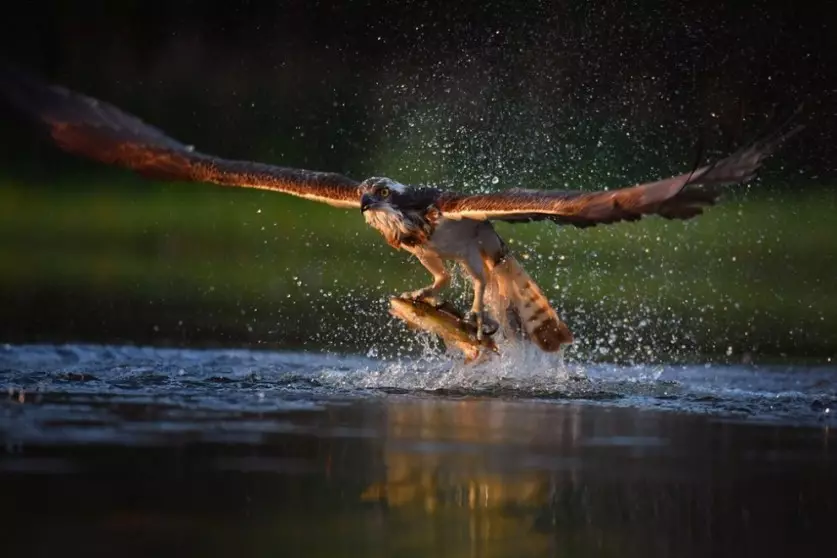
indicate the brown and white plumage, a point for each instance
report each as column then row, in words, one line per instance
column 90, row 128
column 432, row 224
column 678, row 197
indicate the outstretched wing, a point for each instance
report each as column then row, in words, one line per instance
column 96, row 130
column 679, row 197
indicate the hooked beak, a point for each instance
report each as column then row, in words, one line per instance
column 366, row 202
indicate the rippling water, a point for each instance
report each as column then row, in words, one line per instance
column 146, row 451
column 186, row 390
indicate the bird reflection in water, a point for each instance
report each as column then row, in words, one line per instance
column 474, row 468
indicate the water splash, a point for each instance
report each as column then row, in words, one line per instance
column 517, row 367
column 241, row 381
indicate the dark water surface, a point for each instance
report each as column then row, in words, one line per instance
column 151, row 452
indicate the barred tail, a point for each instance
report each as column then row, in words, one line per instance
column 522, row 308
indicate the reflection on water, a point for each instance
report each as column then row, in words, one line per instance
column 475, row 473
column 414, row 475
column 440, row 456
column 513, row 479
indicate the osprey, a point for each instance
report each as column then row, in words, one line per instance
column 432, row 224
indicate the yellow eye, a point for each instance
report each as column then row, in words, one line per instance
column 383, row 192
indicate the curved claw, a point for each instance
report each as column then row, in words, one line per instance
column 421, row 294
column 485, row 325
column 489, row 326
column 427, row 295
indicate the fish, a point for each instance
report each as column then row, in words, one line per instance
column 447, row 322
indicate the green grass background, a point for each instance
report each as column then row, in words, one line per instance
column 129, row 260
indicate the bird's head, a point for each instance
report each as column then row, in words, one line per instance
column 381, row 194
column 378, row 193
column 401, row 213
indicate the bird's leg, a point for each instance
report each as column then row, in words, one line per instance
column 477, row 315
column 436, row 266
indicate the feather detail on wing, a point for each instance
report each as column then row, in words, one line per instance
column 90, row 128
column 679, row 197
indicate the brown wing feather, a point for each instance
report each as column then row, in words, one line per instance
column 679, row 197
column 96, row 130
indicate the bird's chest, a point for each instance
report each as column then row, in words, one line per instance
column 454, row 238
column 401, row 229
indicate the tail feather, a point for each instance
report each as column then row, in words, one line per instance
column 522, row 308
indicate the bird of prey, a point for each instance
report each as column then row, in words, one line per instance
column 432, row 224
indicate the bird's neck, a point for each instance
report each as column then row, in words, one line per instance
column 401, row 228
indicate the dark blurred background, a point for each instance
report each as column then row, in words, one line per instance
column 473, row 96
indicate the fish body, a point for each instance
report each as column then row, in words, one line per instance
column 446, row 322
